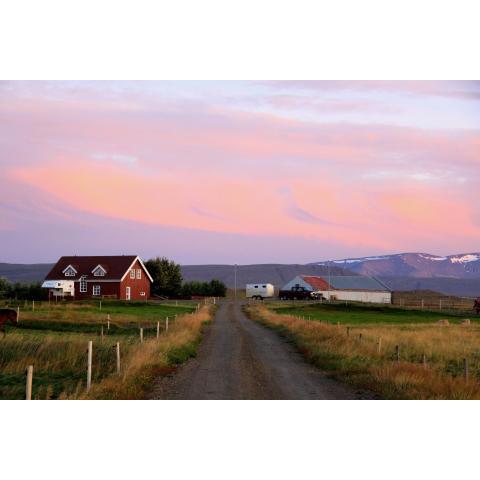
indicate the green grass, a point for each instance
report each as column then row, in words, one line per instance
column 355, row 314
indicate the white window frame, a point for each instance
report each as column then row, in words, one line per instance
column 83, row 284
column 139, row 273
column 99, row 271
column 132, row 273
column 96, row 290
column 70, row 271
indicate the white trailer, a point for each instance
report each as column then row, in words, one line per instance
column 260, row 291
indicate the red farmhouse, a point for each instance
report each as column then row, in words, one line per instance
column 122, row 277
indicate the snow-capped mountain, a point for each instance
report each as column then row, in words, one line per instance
column 465, row 265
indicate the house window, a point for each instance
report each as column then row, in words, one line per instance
column 139, row 274
column 99, row 271
column 96, row 290
column 69, row 271
column 83, row 284
column 132, row 273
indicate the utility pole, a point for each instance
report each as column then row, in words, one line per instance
column 328, row 280
column 235, row 277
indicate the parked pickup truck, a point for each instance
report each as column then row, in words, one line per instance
column 299, row 293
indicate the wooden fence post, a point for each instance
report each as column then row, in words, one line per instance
column 100, row 304
column 118, row 358
column 360, row 337
column 108, row 321
column 33, row 305
column 166, row 324
column 465, row 369
column 158, row 329
column 397, row 352
column 348, row 331
column 141, row 334
column 28, row 386
column 424, row 361
column 379, row 345
column 89, row 365
column 101, row 332
column 18, row 314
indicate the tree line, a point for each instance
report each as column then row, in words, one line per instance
column 168, row 281
column 22, row 291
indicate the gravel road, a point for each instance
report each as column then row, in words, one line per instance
column 241, row 359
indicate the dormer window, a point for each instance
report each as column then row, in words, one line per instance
column 99, row 271
column 69, row 271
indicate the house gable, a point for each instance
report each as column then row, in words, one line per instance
column 69, row 271
column 129, row 270
column 99, row 271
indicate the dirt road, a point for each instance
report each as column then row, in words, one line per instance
column 241, row 359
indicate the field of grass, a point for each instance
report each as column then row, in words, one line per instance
column 54, row 340
column 354, row 313
column 361, row 348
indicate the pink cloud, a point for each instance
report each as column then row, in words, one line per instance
column 210, row 169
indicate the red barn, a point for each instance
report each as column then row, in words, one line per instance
column 123, row 277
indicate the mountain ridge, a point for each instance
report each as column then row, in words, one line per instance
column 412, row 264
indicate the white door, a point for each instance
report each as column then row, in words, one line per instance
column 128, row 293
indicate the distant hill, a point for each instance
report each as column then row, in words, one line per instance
column 460, row 287
column 421, row 265
column 25, row 273
column 277, row 274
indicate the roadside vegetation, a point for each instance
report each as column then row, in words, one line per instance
column 358, row 345
column 54, row 340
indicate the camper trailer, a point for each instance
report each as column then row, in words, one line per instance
column 260, row 291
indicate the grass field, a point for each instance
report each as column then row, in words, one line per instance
column 361, row 348
column 355, row 314
column 54, row 340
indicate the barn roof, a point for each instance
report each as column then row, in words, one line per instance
column 115, row 266
column 317, row 283
column 357, row 282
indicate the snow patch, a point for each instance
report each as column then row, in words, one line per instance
column 435, row 259
column 465, row 258
column 356, row 260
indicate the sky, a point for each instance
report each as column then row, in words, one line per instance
column 238, row 172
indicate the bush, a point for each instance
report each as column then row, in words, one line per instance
column 22, row 291
column 214, row 288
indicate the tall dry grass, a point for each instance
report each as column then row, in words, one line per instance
column 150, row 359
column 358, row 360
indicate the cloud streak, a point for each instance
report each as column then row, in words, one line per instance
column 136, row 157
